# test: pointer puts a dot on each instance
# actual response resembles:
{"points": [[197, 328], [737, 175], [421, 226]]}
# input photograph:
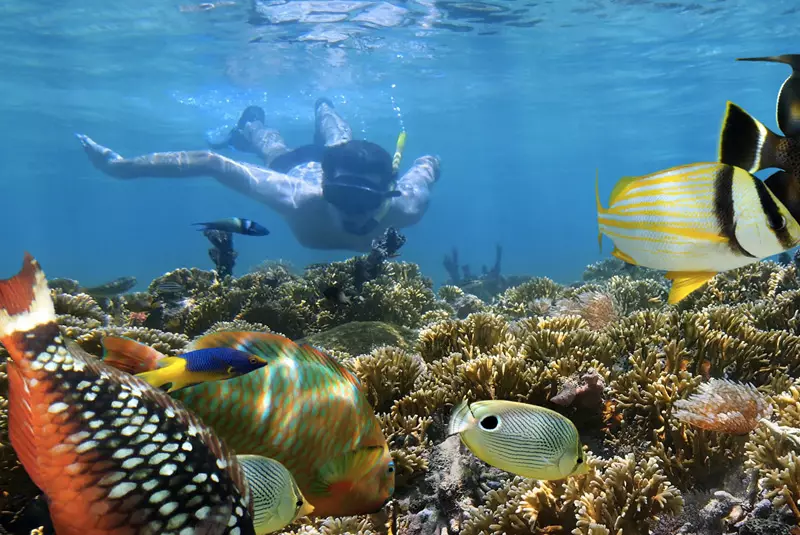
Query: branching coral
{"points": [[522, 300], [387, 374], [626, 497]]}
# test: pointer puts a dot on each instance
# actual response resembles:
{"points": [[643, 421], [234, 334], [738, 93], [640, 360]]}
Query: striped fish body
{"points": [[695, 221], [523, 439], [304, 410], [113, 455]]}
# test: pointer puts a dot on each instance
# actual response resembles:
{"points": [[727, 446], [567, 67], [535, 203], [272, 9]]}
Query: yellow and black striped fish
{"points": [[523, 439], [695, 221], [747, 143]]}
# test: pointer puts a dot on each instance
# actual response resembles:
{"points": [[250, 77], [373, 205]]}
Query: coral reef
{"points": [[690, 413]]}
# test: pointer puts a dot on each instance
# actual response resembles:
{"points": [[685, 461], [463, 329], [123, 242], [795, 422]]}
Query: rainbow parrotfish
{"points": [[303, 409]]}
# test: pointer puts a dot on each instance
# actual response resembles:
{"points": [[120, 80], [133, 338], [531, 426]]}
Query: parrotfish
{"points": [[280, 500], [695, 221], [190, 368], [112, 288], [113, 455], [305, 410], [523, 439], [236, 225]]}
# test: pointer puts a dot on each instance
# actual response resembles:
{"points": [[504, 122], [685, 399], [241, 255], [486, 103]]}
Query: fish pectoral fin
{"points": [[616, 253], [129, 355], [341, 472], [685, 282], [744, 142]]}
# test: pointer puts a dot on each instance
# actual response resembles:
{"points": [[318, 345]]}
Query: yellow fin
{"points": [[600, 209], [685, 282], [620, 186], [347, 468], [616, 253]]}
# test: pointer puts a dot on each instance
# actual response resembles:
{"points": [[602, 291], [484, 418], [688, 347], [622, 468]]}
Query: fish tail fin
{"points": [[460, 419], [793, 60], [28, 327], [129, 355], [600, 209], [745, 142]]}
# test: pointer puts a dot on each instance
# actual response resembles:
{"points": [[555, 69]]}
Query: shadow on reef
{"points": [[609, 353]]}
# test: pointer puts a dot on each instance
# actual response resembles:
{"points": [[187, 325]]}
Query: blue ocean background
{"points": [[522, 118]]}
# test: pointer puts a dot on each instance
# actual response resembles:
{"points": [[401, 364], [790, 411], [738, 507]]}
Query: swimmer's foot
{"points": [[238, 137], [321, 101], [99, 155]]}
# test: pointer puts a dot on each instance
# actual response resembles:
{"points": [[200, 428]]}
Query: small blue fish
{"points": [[238, 225], [197, 366]]}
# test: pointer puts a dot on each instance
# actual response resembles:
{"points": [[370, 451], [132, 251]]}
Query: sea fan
{"points": [[724, 406]]}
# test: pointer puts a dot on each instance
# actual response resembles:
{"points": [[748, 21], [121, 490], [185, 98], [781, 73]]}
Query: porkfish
{"points": [[526, 440], [113, 455], [695, 221], [306, 411]]}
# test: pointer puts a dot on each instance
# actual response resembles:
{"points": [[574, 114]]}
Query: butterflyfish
{"points": [[192, 367], [277, 500], [695, 221], [112, 454], [236, 225], [525, 440], [305, 410]]}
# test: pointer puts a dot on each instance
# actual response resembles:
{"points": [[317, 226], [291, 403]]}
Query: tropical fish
{"points": [[190, 368], [523, 439], [110, 289], [695, 221], [305, 410], [279, 501], [170, 288], [236, 225], [113, 455]]}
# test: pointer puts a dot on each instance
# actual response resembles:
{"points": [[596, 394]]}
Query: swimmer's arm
{"points": [[282, 193], [415, 186]]}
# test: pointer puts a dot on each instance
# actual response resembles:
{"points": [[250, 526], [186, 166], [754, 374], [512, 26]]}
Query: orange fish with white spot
{"points": [[113, 455], [695, 221]]}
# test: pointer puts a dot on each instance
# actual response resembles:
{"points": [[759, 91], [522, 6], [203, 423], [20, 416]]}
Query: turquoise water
{"points": [[521, 117]]}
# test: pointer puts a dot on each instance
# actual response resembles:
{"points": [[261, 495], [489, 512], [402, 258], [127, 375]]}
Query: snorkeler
{"points": [[336, 193]]}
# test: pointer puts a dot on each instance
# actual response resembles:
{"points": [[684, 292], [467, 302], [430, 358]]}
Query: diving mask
{"points": [[355, 195]]}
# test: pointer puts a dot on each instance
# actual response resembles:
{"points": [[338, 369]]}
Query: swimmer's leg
{"points": [[329, 128], [252, 135]]}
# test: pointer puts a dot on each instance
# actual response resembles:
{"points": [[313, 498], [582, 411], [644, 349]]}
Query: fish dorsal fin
{"points": [[270, 346], [313, 354], [129, 355], [685, 282], [346, 469], [620, 187]]}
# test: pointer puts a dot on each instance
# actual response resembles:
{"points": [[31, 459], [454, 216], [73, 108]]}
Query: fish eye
{"points": [[580, 460], [299, 504], [490, 423], [253, 360], [781, 225], [390, 469]]}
